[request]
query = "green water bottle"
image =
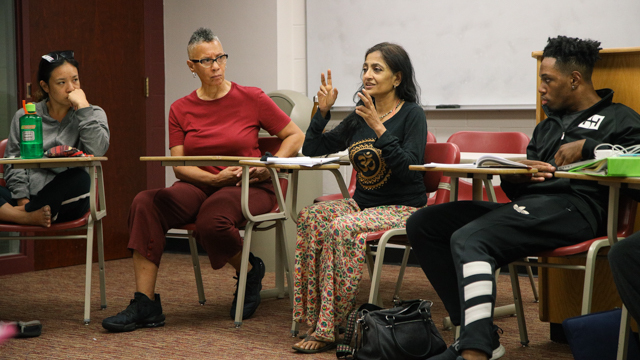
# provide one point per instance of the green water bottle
(31, 133)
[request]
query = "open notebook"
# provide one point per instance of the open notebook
(484, 161)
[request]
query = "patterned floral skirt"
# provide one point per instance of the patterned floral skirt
(330, 257)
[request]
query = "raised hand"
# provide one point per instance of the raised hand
(327, 94)
(369, 113)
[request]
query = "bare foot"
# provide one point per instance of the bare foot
(40, 217)
(311, 342)
(307, 333)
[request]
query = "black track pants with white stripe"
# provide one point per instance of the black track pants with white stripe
(460, 245)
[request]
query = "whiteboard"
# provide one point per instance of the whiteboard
(464, 52)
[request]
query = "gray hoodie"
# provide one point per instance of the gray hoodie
(85, 129)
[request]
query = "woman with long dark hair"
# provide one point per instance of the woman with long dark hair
(385, 134)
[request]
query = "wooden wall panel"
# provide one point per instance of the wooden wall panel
(109, 43)
(561, 290)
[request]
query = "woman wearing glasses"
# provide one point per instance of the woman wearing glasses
(384, 135)
(218, 118)
(43, 196)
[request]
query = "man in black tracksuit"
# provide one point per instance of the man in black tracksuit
(461, 244)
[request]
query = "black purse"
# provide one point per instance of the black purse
(405, 331)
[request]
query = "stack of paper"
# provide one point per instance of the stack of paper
(613, 166)
(301, 160)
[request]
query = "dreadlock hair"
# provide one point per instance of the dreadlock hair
(398, 60)
(573, 54)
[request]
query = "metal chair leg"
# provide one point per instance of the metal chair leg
(242, 281)
(196, 267)
(103, 288)
(517, 298)
(87, 282)
(532, 280)
(405, 259)
(623, 338)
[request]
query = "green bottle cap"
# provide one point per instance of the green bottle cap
(31, 108)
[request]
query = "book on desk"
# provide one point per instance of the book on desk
(484, 161)
(612, 166)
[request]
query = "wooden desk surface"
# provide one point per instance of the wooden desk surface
(46, 162)
(213, 160)
(469, 170)
(197, 158)
(290, 167)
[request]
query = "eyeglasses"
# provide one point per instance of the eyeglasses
(58, 55)
(221, 60)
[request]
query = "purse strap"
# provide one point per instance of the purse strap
(344, 350)
(425, 320)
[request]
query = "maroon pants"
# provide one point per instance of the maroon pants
(217, 215)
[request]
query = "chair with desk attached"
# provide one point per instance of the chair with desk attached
(501, 142)
(507, 142)
(298, 107)
(274, 219)
(92, 219)
(436, 183)
(588, 250)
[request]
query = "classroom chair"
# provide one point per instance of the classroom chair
(589, 250)
(435, 182)
(93, 218)
(508, 142)
(274, 219)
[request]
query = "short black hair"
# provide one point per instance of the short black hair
(573, 54)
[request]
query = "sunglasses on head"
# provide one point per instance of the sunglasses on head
(58, 55)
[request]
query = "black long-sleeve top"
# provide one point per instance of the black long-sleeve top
(604, 122)
(382, 163)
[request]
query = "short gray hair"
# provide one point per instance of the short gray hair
(199, 36)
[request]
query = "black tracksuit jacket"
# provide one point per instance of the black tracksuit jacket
(604, 122)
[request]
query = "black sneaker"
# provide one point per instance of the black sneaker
(252, 292)
(498, 349)
(141, 312)
(453, 352)
(28, 329)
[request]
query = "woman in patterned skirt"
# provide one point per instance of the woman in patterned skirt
(385, 134)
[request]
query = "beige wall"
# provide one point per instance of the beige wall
(265, 40)
(266, 44)
(247, 30)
